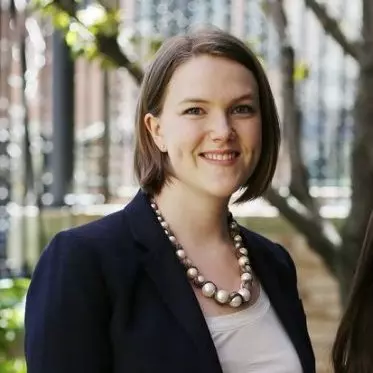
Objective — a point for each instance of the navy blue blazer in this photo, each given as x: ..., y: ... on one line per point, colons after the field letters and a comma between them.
x: 111, y: 297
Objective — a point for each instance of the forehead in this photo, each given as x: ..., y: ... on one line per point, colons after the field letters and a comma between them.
x: 211, y: 78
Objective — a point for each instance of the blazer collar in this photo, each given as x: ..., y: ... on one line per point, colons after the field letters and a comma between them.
x: 162, y: 265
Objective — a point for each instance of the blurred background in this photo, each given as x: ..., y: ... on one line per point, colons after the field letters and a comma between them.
x: 70, y: 72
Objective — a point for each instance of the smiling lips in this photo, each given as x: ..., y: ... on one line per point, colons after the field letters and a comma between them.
x: 223, y: 157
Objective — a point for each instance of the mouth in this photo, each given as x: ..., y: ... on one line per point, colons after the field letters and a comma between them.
x: 220, y: 156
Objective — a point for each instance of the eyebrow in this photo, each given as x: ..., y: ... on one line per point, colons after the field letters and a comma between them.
x: 245, y: 96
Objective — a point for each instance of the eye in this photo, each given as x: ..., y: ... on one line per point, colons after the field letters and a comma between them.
x: 244, y: 109
x: 193, y: 111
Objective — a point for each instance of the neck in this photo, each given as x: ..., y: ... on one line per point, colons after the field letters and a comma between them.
x: 200, y: 220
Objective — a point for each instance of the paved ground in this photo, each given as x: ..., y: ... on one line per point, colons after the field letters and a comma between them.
x: 319, y: 292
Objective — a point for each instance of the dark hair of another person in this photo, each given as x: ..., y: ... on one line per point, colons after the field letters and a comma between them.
x: 353, y: 345
x: 152, y: 167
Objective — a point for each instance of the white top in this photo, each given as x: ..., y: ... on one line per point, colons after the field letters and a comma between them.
x: 253, y: 340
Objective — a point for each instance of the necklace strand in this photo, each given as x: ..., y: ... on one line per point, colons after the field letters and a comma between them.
x: 209, y: 289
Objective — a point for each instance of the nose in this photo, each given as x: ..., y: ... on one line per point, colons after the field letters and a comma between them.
x: 221, y: 128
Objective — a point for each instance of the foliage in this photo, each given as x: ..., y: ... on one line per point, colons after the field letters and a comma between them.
x: 301, y: 68
x: 301, y: 71
x: 84, y: 29
x: 12, y: 296
x: 17, y: 365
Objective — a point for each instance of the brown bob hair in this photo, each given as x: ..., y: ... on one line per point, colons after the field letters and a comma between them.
x: 152, y: 167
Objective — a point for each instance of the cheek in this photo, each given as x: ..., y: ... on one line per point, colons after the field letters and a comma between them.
x: 252, y: 135
x: 182, y: 138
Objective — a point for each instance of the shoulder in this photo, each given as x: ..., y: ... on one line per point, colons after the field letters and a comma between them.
x: 109, y: 227
x: 102, y: 232
x: 91, y: 244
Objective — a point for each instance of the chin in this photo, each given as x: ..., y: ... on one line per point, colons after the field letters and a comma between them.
x: 222, y: 193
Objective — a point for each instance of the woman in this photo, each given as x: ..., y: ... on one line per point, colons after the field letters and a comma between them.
x: 172, y: 283
x: 353, y: 348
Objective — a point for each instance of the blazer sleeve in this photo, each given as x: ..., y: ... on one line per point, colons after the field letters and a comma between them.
x: 67, y: 311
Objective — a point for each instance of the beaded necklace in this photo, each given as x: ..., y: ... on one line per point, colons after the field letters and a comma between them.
x: 209, y: 289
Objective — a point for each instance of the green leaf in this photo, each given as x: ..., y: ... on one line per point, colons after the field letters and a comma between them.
x: 61, y: 20
x: 71, y: 37
x: 301, y: 71
x: 91, y: 51
x: 38, y: 4
x: 12, y: 296
x: 12, y: 292
x: 17, y: 365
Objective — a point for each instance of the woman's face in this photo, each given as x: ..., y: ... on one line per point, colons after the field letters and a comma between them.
x: 210, y: 125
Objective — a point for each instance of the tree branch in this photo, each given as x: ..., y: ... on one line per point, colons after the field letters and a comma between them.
x: 361, y: 152
x: 304, y: 215
x: 277, y: 13
x: 332, y: 28
x: 299, y: 182
x: 107, y: 45
x: 321, y: 236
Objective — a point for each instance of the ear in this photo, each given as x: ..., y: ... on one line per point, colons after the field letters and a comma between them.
x: 153, y: 125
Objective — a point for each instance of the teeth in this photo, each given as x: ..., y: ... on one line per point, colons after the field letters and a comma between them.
x: 220, y: 157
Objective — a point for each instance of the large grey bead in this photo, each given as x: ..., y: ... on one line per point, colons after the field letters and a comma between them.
x: 222, y: 296
x: 237, y: 238
x: 181, y: 254
x: 236, y: 301
x: 246, y: 276
x: 192, y: 272
x: 208, y: 289
x: 245, y: 293
x: 243, y: 260
x: 172, y: 239
x: 243, y: 251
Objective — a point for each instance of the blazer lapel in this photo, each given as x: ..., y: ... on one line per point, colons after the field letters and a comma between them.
x: 168, y: 274
x: 265, y: 269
